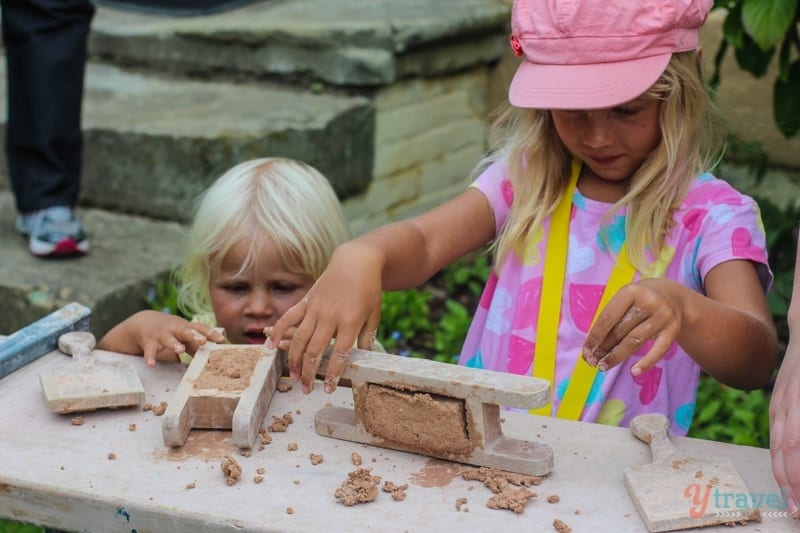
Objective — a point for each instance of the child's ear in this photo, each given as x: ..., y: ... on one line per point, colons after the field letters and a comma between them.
x: 700, y: 53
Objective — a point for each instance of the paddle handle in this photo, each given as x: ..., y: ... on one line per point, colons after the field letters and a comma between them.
x: 78, y: 344
x: 654, y: 430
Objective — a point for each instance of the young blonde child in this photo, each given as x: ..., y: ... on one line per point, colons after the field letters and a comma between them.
x: 261, y: 234
x: 622, y: 267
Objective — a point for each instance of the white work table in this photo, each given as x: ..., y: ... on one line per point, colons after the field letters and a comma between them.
x: 59, y: 475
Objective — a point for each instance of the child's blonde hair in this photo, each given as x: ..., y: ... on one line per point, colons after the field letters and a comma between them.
x: 284, y: 200
x: 539, y: 164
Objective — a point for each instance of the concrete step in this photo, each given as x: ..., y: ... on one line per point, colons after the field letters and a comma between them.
x: 153, y: 143
x: 352, y: 43
x: 129, y: 255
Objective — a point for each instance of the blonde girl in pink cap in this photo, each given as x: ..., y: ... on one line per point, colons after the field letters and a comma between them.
x: 622, y: 267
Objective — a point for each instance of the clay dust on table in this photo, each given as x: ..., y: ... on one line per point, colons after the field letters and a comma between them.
x: 229, y: 369
x: 560, y: 526
x: 230, y: 469
x: 500, y: 483
x: 280, y: 423
x: 359, y: 487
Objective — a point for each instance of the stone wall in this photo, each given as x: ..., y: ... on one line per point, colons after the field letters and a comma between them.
x: 429, y: 134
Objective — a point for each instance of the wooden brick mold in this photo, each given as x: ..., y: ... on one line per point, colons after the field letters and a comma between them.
x: 227, y: 386
x: 437, y: 409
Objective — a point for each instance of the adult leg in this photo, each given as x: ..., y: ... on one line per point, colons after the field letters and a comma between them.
x: 45, y: 42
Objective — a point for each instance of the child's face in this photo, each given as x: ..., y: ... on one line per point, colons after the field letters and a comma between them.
x: 613, y: 142
x: 244, y: 303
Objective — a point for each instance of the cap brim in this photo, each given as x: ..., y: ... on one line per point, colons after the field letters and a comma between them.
x: 591, y: 86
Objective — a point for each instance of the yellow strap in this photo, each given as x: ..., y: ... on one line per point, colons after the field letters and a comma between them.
x: 544, y: 363
x: 555, y: 267
x: 580, y: 383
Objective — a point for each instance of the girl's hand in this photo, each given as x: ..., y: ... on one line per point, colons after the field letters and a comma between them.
x: 647, y: 309
x: 158, y: 336
x: 345, y: 304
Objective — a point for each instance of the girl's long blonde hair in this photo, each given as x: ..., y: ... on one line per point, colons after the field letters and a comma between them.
x: 539, y: 164
x: 287, y: 201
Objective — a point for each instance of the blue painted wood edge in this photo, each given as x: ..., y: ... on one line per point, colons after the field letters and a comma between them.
x: 41, y: 337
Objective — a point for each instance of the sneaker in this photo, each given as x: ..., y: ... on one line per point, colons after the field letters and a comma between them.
x: 53, y: 232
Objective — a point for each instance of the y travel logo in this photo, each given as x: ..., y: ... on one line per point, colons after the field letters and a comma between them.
x: 767, y: 504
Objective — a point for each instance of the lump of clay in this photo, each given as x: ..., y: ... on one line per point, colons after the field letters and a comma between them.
x: 230, y: 469
x: 359, y: 487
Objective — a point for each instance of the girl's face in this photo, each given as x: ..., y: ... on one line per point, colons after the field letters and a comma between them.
x: 612, y: 143
x: 246, y: 302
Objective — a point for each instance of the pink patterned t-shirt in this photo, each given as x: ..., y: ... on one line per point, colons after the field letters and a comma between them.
x: 714, y: 224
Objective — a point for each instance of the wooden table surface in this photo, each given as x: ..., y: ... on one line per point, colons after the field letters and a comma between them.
x: 59, y: 475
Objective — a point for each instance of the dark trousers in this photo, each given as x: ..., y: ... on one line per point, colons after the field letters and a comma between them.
x: 45, y: 47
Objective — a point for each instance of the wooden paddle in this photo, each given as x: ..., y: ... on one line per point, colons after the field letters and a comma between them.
x: 86, y: 384
x: 680, y: 492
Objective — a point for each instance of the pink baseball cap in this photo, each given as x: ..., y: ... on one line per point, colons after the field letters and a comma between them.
x: 590, y: 54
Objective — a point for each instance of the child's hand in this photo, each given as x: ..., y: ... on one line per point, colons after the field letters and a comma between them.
x: 158, y: 336
x: 344, y: 303
x: 647, y: 309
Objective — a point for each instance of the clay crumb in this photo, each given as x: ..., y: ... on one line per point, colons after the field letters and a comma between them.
x: 280, y: 423
x: 296, y: 481
x: 131, y: 427
x: 261, y: 447
x: 289, y: 510
x: 316, y: 458
x: 359, y: 487
x: 698, y: 474
x: 460, y: 502
x: 398, y: 492
x: 560, y: 526
x: 511, y: 499
x: 266, y: 438
x: 292, y: 446
x: 191, y: 485
x: 328, y: 404
x: 147, y: 407
x: 355, y: 459
x: 77, y: 421
x: 284, y: 386
x: 245, y: 453
x: 159, y: 409
x: 258, y: 479
x: 553, y: 498
x: 577, y: 511
x: 230, y: 469
x: 260, y: 471
x: 112, y: 456
x: 498, y: 480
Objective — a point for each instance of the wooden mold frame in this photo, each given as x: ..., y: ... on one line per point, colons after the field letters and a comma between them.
x: 241, y: 411
x: 468, y: 396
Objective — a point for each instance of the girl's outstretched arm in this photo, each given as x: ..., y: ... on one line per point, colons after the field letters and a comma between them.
x: 784, y: 407
x: 345, y: 302
x: 729, y: 332
x: 157, y: 335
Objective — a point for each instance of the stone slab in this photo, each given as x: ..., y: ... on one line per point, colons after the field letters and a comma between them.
x: 153, y: 144
x: 129, y: 254
x: 347, y: 42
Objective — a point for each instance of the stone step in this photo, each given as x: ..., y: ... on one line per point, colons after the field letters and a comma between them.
x: 129, y: 255
x: 388, y: 99
x: 352, y: 43
x: 153, y: 143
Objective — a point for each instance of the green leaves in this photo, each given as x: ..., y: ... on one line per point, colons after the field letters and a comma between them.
x: 755, y: 29
x: 767, y: 21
